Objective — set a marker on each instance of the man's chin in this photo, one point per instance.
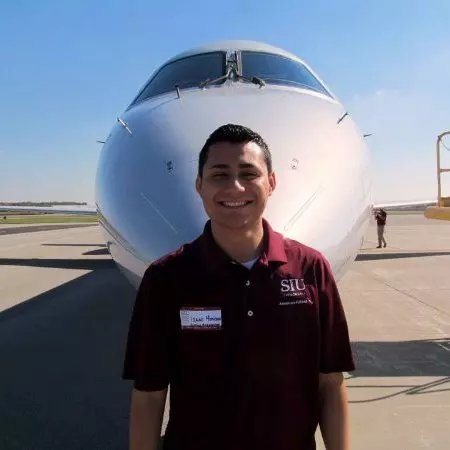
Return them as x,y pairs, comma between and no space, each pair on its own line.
235,224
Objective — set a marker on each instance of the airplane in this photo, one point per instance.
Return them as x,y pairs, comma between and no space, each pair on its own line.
145,196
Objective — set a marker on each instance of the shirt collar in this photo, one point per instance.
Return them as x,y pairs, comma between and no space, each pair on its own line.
215,258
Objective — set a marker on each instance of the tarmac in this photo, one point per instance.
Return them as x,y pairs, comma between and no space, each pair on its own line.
29,228
64,313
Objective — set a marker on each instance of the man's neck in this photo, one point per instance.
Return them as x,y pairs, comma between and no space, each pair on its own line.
241,245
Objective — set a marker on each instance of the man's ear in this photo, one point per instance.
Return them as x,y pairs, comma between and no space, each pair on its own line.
272,182
198,184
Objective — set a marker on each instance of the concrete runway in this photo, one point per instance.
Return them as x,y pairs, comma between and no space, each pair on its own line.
64,317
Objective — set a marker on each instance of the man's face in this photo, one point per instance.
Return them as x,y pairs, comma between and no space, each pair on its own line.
235,185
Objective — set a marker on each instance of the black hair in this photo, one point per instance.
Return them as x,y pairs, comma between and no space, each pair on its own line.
235,134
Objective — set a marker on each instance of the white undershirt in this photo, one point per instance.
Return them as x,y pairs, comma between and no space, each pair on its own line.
249,264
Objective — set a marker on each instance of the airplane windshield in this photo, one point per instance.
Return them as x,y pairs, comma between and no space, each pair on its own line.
279,70
186,73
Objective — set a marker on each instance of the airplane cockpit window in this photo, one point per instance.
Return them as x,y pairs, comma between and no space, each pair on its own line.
275,69
186,73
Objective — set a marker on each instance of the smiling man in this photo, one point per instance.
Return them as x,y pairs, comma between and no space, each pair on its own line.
251,337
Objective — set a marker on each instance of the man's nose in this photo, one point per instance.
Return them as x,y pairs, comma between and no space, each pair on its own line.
235,184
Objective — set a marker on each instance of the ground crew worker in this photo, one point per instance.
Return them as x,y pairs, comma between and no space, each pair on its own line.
380,217
246,326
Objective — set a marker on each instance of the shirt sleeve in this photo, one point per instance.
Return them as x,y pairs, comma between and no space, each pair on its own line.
150,334
336,352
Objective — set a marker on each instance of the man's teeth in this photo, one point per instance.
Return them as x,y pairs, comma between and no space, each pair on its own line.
235,204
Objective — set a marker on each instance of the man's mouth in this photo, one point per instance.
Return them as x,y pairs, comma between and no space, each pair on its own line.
235,203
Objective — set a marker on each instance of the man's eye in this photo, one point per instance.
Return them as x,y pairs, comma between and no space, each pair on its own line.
249,175
219,175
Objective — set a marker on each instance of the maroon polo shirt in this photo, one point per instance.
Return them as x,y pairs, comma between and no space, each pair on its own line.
241,349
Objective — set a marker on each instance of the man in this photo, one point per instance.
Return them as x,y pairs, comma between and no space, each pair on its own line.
380,217
246,326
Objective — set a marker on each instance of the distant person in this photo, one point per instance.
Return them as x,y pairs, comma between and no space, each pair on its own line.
380,217
246,326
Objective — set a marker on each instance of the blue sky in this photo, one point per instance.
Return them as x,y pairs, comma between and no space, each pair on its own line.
68,69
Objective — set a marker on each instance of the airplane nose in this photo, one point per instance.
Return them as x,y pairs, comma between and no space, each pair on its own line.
146,178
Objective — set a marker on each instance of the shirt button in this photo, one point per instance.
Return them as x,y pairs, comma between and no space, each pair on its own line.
247,283
250,313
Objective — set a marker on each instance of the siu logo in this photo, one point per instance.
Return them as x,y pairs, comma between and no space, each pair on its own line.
293,287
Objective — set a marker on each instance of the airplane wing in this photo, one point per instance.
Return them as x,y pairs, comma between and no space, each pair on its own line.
84,210
404,204
431,208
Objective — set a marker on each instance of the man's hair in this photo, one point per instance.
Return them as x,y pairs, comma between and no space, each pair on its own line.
235,134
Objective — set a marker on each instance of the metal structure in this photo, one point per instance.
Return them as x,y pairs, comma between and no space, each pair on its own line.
442,209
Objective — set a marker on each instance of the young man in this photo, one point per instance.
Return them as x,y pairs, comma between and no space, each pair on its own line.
246,326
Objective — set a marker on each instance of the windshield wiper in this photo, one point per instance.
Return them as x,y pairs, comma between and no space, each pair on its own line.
208,81
254,80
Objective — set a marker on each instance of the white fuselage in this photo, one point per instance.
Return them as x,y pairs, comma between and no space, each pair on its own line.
145,184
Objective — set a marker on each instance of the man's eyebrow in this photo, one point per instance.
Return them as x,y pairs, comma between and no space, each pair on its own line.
227,166
247,166
219,166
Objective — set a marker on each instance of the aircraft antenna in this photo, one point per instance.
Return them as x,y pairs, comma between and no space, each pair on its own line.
342,118
124,124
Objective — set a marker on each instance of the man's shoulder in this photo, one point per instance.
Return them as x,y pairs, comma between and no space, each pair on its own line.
174,261
299,251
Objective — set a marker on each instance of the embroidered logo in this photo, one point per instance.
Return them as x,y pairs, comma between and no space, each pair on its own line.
293,292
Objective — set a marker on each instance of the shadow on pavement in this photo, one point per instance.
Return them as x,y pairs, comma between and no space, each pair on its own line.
61,360
97,252
429,358
73,245
380,256
84,264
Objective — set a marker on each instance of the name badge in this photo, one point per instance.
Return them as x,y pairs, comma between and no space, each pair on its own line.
201,318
